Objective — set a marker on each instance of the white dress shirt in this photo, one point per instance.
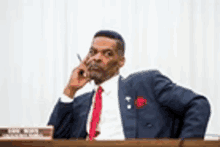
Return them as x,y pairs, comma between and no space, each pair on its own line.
110,124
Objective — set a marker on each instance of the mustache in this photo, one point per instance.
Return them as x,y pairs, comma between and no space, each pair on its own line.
93,65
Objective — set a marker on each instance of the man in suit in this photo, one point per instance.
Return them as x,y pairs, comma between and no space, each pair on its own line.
146,104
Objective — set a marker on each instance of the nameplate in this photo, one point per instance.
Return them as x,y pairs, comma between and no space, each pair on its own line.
18,133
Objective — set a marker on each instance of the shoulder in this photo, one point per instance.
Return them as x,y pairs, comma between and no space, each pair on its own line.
146,76
142,74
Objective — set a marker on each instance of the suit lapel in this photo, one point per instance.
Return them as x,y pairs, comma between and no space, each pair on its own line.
128,112
87,102
90,104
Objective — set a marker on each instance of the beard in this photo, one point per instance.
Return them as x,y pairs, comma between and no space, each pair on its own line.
99,74
96,73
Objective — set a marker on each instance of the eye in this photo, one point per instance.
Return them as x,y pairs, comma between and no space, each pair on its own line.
109,53
92,52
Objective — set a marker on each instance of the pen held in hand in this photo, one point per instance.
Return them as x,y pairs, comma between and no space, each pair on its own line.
81,72
79,58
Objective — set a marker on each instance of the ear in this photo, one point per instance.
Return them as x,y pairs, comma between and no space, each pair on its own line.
121,61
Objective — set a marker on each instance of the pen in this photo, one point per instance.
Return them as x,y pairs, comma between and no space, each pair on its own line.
81,72
79,58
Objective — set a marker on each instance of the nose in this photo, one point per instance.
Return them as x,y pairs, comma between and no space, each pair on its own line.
97,58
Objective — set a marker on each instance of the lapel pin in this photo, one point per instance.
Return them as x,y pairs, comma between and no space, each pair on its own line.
129,106
128,98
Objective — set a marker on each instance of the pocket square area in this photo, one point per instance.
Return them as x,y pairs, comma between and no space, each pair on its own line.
140,102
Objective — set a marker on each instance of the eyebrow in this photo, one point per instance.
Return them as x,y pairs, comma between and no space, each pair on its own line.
105,50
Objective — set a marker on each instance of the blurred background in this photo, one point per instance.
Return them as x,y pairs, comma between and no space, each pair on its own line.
39,40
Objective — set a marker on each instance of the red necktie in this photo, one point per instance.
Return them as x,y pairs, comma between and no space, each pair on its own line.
96,114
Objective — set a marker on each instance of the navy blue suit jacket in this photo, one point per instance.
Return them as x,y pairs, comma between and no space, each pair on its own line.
171,111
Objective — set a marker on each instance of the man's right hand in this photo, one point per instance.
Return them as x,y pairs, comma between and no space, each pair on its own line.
79,77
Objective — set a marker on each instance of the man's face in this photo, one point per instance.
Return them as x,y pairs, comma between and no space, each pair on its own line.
104,61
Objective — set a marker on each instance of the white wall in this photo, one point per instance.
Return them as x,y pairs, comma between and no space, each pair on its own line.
39,40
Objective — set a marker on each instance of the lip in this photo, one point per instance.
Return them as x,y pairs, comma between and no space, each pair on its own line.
94,68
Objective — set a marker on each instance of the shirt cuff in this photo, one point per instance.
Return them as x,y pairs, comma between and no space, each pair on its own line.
66,99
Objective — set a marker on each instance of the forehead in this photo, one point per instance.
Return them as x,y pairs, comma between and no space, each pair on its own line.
104,42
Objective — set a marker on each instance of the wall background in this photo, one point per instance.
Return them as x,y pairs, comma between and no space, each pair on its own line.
39,40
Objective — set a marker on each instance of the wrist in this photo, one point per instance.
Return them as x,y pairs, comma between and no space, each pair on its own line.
69,91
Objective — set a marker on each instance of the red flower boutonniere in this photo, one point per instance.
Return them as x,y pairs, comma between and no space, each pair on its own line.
140,102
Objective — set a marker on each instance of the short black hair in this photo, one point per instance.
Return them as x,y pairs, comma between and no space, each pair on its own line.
113,35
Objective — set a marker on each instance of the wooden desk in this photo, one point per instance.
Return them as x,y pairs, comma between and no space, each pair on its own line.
127,143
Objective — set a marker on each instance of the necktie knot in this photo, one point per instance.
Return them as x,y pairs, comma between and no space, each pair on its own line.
100,89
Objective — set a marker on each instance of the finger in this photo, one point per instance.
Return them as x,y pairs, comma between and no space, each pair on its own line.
81,73
83,80
83,67
84,74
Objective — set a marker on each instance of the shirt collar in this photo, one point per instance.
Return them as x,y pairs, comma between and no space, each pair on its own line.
107,85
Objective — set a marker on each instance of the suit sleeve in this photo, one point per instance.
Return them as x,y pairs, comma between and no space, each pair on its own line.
193,108
62,119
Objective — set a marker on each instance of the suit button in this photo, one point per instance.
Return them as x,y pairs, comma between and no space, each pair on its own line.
149,125
129,106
